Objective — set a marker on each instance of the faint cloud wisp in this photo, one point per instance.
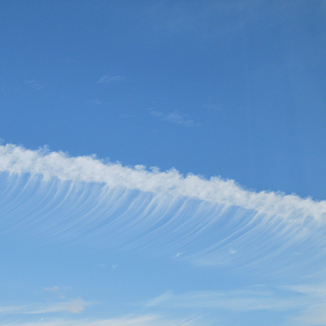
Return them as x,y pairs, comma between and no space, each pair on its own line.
74,306
110,79
95,101
56,290
34,84
146,320
175,117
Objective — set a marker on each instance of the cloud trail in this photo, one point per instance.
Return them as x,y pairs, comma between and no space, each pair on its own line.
207,222
146,320
72,306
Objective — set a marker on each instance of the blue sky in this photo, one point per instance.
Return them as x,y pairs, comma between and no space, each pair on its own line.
162,163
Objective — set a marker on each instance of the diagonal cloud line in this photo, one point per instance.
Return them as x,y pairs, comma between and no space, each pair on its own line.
18,160
208,222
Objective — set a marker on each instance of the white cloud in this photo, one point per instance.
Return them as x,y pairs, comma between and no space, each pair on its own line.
18,160
314,312
237,301
175,117
312,316
72,306
110,79
261,231
147,320
303,305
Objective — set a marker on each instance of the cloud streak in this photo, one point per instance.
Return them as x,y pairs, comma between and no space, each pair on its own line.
73,306
17,160
306,302
145,320
207,222
49,196
175,117
237,301
110,79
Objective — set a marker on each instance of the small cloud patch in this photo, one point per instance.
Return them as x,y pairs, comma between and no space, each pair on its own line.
175,117
110,79
34,84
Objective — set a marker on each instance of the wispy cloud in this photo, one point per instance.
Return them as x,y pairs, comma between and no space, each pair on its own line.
211,222
314,315
95,101
110,79
56,290
238,301
71,306
18,160
314,312
304,304
175,117
34,84
145,320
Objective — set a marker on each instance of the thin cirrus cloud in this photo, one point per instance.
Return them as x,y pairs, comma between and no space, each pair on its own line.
175,117
314,296
309,300
254,299
313,315
74,306
207,222
110,79
145,320
49,196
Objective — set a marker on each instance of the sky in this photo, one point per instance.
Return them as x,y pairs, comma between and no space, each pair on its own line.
162,163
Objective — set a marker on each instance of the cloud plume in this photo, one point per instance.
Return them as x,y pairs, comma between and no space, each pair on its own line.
207,222
50,196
